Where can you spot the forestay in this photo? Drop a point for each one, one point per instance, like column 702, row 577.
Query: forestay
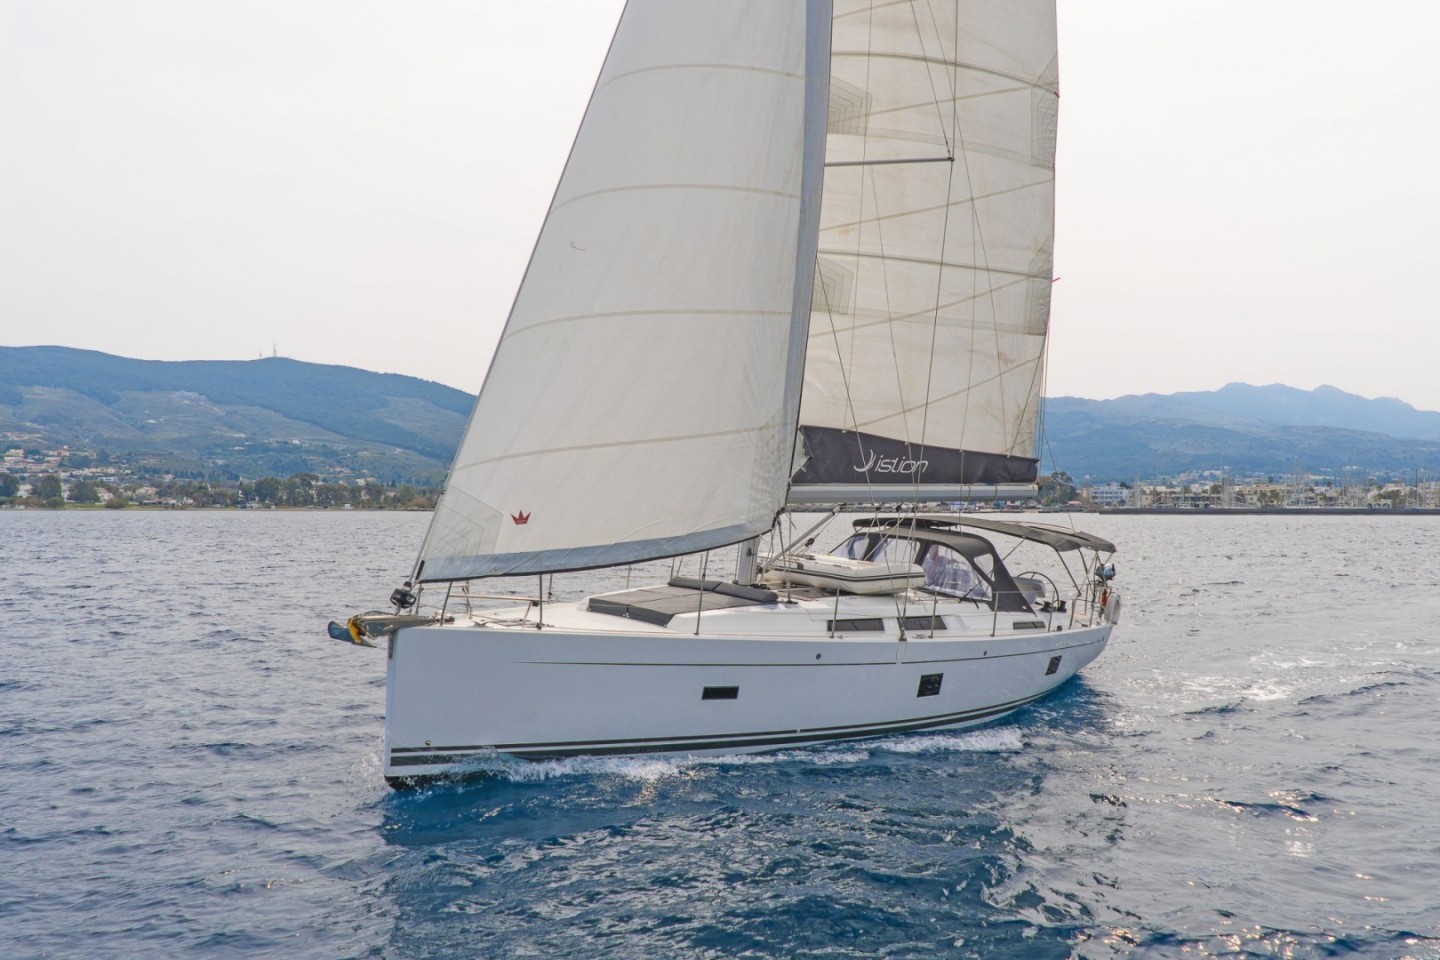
column 931, row 306
column 642, row 399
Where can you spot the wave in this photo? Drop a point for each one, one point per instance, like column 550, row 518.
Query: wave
column 997, row 740
column 1373, row 689
column 649, row 769
column 1214, row 709
column 1292, row 804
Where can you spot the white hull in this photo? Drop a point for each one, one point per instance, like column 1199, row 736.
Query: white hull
column 463, row 692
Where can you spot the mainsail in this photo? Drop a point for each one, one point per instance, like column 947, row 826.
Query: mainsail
column 932, row 295
column 645, row 398
column 642, row 400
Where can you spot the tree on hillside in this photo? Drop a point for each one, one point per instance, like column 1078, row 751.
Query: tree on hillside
column 267, row 490
column 48, row 487
column 300, row 489
column 335, row 494
column 84, row 492
column 9, row 486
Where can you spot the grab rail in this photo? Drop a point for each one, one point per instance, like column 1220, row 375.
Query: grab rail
column 462, row 592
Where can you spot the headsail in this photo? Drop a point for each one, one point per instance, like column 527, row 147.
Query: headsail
column 642, row 400
column 932, row 297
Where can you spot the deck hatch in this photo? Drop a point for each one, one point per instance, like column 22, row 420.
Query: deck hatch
column 924, row 623
column 875, row 624
column 930, row 685
column 661, row 604
column 720, row 693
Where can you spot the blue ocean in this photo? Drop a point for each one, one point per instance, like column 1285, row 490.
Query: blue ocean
column 189, row 767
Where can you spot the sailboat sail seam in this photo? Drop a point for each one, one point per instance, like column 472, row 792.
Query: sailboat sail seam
column 627, row 314
column 930, row 401
column 942, row 62
column 723, row 187
column 874, row 318
column 645, row 441
column 928, row 262
column 744, row 68
column 1048, row 182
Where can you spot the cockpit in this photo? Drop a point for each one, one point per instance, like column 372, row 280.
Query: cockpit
column 957, row 565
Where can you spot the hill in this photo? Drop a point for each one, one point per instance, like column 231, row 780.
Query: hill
column 1247, row 429
column 248, row 418
column 275, row 417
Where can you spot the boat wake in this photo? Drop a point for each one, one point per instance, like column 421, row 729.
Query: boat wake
column 650, row 769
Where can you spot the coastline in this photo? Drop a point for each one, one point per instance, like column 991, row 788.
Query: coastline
column 1105, row 511
column 1269, row 511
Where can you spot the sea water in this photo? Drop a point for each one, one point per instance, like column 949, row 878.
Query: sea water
column 189, row 767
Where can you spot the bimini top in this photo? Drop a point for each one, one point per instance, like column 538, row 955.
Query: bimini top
column 1052, row 536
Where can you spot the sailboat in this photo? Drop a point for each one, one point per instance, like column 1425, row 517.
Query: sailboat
column 797, row 267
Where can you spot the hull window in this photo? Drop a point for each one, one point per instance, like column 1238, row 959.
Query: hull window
column 720, row 693
column 1054, row 666
column 930, row 685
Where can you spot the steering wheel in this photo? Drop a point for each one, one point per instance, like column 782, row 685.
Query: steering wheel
column 1054, row 594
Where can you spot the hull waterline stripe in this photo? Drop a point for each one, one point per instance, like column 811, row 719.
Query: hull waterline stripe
column 716, row 736
column 413, row 756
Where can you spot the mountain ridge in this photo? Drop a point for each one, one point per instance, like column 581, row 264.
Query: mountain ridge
column 1281, row 405
column 276, row 416
column 188, row 413
column 1245, row 429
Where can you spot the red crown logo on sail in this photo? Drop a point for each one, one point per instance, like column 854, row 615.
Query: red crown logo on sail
column 520, row 518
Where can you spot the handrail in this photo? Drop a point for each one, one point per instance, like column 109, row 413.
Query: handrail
column 532, row 601
column 461, row 591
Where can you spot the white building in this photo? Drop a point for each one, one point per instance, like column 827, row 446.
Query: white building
column 1110, row 495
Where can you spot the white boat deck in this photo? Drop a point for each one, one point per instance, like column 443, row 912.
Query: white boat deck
column 857, row 617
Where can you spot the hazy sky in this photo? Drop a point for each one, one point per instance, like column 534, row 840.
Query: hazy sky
column 1247, row 190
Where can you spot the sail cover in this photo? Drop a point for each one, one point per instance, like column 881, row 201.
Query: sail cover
column 932, row 295
column 642, row 399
